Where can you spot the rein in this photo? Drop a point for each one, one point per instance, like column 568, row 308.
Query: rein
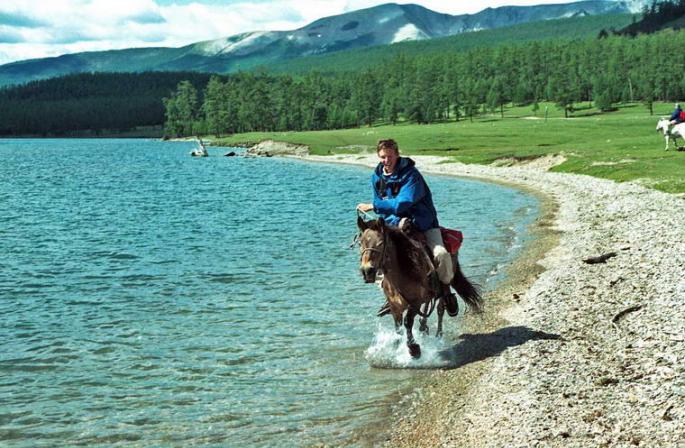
column 430, row 306
column 366, row 216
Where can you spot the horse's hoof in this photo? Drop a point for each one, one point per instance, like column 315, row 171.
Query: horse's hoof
column 414, row 350
column 438, row 334
column 425, row 330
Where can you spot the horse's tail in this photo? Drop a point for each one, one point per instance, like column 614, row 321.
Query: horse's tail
column 469, row 292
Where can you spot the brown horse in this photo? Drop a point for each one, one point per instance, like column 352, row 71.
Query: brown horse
column 408, row 277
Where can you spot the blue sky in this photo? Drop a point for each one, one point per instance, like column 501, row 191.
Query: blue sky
column 39, row 28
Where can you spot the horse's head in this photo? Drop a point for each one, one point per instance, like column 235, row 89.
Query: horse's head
column 373, row 242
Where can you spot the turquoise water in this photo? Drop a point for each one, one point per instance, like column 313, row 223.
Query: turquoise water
column 148, row 298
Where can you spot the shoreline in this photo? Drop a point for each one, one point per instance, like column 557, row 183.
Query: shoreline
column 567, row 353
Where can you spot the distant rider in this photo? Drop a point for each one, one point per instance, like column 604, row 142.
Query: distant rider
column 402, row 198
column 676, row 116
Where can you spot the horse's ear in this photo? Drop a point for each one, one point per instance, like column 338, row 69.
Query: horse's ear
column 361, row 223
column 380, row 224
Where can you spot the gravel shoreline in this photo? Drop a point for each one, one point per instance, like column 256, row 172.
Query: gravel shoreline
column 569, row 354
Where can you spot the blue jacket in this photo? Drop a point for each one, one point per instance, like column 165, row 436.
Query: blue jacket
column 676, row 115
column 403, row 194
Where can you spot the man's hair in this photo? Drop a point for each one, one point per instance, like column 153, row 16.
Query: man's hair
column 387, row 144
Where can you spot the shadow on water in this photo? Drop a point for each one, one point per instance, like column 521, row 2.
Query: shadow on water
column 474, row 347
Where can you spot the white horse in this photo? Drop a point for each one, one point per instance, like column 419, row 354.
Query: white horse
column 677, row 131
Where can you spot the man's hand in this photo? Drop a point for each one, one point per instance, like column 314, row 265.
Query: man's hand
column 364, row 207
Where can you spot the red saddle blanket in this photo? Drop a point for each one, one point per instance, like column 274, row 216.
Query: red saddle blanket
column 452, row 239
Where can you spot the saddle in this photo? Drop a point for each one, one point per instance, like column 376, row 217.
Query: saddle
column 451, row 238
column 419, row 240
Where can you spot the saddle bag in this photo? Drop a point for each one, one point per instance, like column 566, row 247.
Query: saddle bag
column 452, row 239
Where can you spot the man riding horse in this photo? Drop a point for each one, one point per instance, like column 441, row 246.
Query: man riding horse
column 677, row 115
column 401, row 197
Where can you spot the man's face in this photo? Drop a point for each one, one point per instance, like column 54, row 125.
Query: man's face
column 389, row 159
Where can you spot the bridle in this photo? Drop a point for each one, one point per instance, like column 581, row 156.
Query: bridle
column 382, row 252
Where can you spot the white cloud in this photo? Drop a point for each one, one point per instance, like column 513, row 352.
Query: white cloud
column 36, row 28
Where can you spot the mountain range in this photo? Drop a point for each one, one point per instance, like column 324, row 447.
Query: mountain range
column 380, row 25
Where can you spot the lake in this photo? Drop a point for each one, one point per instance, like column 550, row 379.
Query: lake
column 149, row 298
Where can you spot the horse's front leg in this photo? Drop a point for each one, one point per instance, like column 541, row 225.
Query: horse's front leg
column 414, row 348
column 441, row 313
column 423, row 325
column 423, row 321
column 398, row 322
column 392, row 299
column 397, row 318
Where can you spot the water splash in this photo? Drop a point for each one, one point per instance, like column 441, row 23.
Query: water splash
column 389, row 350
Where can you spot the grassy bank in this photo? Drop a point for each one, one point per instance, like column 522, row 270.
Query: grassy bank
column 620, row 145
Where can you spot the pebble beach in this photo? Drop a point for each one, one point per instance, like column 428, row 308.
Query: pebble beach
column 568, row 353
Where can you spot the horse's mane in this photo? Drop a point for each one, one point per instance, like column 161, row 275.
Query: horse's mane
column 411, row 255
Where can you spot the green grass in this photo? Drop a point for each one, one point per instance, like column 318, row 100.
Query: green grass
column 621, row 145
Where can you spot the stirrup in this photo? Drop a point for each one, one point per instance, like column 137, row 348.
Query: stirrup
column 385, row 309
column 451, row 304
column 435, row 282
